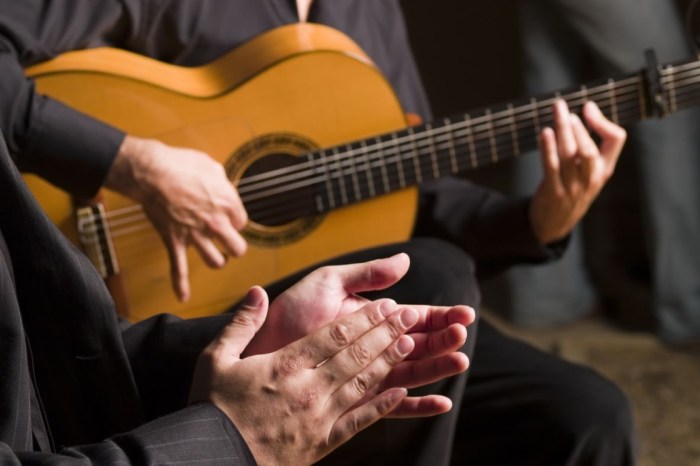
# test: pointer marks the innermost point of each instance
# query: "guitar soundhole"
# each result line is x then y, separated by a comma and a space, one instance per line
277, 186
276, 191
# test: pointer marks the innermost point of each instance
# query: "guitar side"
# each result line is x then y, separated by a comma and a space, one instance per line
299, 81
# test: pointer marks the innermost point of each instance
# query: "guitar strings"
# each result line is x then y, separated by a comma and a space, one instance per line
348, 157
278, 172
680, 97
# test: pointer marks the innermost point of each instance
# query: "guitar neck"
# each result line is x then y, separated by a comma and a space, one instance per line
361, 170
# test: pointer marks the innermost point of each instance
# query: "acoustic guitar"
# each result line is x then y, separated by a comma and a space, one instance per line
313, 137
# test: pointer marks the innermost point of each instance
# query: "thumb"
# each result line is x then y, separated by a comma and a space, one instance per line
377, 274
245, 323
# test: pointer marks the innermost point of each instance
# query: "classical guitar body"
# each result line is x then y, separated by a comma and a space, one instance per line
257, 110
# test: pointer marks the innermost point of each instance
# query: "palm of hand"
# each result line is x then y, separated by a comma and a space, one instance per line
309, 305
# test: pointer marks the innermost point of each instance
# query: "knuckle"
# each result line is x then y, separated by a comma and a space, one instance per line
396, 327
340, 333
361, 353
374, 315
287, 365
360, 384
354, 424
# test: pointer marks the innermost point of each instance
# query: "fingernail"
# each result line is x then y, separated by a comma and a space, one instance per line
253, 299
404, 345
398, 393
409, 317
387, 307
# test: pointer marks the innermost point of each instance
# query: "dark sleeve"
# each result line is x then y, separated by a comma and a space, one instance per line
68, 148
198, 434
494, 229
163, 352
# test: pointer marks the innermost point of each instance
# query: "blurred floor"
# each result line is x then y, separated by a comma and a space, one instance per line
663, 384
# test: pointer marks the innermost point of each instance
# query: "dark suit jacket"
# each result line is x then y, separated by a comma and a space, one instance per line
66, 371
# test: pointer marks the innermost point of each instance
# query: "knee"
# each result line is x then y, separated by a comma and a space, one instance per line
595, 420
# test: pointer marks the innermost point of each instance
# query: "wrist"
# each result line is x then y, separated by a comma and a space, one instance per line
131, 167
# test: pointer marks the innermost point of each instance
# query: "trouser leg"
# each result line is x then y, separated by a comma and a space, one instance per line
526, 407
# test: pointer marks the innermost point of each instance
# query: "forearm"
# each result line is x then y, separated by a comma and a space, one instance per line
68, 148
493, 229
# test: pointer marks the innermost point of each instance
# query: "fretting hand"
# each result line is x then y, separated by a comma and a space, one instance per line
575, 169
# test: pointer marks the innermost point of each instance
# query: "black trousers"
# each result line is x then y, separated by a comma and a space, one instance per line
516, 405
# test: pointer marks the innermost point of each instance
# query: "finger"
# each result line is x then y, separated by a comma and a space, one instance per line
365, 415
231, 240
349, 363
237, 212
418, 373
612, 136
244, 324
587, 149
437, 343
566, 143
366, 382
179, 268
329, 340
440, 317
550, 159
423, 406
373, 275
208, 250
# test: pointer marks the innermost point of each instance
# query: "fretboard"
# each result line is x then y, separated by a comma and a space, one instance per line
361, 170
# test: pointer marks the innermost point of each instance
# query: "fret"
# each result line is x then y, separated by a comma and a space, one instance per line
382, 166
514, 131
354, 175
451, 145
433, 153
327, 179
470, 142
415, 155
642, 99
584, 97
492, 136
368, 171
535, 115
314, 170
399, 161
672, 92
341, 178
614, 116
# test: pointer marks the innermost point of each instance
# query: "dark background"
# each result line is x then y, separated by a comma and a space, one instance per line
468, 55
467, 51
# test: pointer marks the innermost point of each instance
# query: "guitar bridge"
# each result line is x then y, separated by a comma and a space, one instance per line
96, 240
